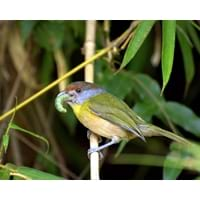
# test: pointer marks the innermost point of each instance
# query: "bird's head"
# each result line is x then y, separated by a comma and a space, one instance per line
76, 93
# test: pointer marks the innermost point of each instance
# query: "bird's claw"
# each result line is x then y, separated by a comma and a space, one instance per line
92, 150
88, 136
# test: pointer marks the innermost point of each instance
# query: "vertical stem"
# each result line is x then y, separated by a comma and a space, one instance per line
61, 67
89, 76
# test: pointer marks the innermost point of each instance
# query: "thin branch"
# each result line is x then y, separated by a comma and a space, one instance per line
61, 67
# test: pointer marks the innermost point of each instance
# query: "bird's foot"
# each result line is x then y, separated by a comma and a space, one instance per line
92, 150
89, 133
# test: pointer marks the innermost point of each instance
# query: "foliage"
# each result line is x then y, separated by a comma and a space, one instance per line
154, 55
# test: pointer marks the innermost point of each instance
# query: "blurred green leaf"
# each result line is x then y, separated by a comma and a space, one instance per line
146, 87
50, 34
30, 173
120, 148
187, 59
37, 174
26, 27
168, 46
194, 36
47, 68
5, 140
181, 27
195, 25
138, 38
139, 159
146, 110
181, 157
6, 136
16, 127
121, 80
145, 52
4, 174
171, 173
47, 164
183, 116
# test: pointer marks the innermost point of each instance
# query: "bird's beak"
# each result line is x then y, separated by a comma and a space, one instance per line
61, 101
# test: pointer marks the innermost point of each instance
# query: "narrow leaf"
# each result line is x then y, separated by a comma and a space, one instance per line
16, 127
37, 174
194, 36
137, 40
26, 27
195, 25
30, 173
168, 45
5, 140
120, 148
187, 59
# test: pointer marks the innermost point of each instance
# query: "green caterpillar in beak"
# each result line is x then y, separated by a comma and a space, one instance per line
59, 102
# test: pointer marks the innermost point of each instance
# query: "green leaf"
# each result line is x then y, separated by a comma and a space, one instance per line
195, 25
47, 68
37, 174
168, 46
171, 173
137, 64
5, 139
181, 157
26, 27
16, 127
187, 59
137, 40
6, 136
30, 173
4, 174
146, 110
50, 34
120, 148
121, 80
146, 87
183, 116
181, 27
194, 36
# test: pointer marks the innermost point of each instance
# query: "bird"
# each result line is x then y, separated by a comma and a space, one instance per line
107, 116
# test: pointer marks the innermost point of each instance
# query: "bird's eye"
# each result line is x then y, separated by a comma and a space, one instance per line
78, 90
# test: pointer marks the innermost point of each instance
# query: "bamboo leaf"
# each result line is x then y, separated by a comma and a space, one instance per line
16, 127
195, 25
26, 27
137, 40
171, 173
29, 173
37, 174
5, 140
183, 116
194, 36
187, 59
168, 46
4, 174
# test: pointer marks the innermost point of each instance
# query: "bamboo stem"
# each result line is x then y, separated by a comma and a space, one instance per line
89, 48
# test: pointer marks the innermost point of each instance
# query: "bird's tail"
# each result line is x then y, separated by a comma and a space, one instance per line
151, 130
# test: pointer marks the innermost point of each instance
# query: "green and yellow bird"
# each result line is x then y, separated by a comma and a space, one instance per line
106, 115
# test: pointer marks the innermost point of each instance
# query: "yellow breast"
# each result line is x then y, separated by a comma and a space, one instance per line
98, 125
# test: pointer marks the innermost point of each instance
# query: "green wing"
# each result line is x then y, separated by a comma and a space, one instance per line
117, 112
